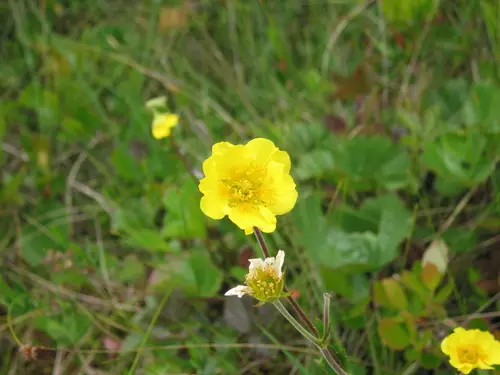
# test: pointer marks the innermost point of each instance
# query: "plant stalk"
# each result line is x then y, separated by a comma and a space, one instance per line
295, 305
304, 332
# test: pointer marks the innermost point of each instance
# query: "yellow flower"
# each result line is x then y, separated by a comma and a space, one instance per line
163, 124
264, 280
250, 183
471, 349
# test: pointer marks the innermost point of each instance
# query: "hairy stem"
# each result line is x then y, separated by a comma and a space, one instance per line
304, 332
295, 305
331, 361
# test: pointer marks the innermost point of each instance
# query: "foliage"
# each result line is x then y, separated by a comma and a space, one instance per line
388, 110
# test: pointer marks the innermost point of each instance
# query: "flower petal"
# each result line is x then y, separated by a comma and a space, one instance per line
246, 217
265, 151
163, 124
255, 263
494, 350
239, 291
445, 345
221, 147
213, 207
278, 264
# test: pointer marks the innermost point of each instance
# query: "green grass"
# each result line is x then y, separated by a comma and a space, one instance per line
392, 125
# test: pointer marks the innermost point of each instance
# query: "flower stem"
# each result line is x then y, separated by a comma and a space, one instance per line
304, 332
331, 361
326, 316
295, 305
262, 242
325, 352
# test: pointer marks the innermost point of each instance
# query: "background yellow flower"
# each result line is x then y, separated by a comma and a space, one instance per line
471, 349
250, 183
163, 124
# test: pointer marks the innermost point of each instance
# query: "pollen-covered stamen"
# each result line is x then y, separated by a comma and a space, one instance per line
265, 283
468, 354
244, 186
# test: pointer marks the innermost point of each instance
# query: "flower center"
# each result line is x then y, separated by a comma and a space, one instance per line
265, 283
468, 354
243, 186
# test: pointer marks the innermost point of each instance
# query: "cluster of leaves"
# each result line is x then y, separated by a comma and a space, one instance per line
101, 222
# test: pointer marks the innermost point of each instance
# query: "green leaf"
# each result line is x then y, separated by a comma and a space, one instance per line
461, 160
430, 361
66, 329
194, 273
314, 164
395, 294
359, 239
445, 292
481, 109
37, 239
125, 164
46, 105
393, 334
131, 269
405, 12
352, 285
184, 217
369, 162
207, 277
413, 282
147, 239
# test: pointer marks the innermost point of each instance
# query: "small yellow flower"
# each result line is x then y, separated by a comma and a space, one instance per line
264, 280
471, 349
163, 124
250, 183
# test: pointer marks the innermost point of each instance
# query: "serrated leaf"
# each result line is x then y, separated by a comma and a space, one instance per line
315, 164
147, 239
341, 240
131, 269
367, 162
184, 217
395, 294
462, 160
393, 334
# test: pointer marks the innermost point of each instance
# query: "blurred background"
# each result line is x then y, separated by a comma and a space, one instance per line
389, 111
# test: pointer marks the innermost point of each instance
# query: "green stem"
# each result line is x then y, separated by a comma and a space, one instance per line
304, 332
295, 305
148, 332
331, 361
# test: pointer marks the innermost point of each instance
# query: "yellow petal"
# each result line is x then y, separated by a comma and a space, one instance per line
466, 369
494, 353
285, 195
265, 151
163, 124
213, 207
246, 217
221, 147
445, 346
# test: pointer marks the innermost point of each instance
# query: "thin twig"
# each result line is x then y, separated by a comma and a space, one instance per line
341, 25
75, 168
9, 149
460, 206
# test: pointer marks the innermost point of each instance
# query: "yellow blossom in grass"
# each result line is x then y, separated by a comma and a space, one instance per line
163, 124
471, 349
251, 184
264, 280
